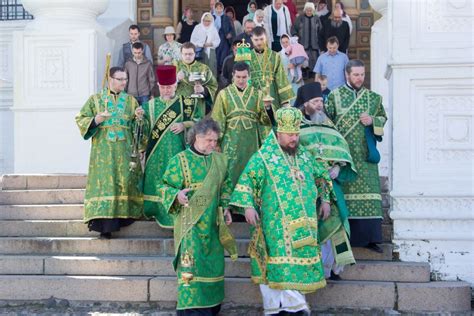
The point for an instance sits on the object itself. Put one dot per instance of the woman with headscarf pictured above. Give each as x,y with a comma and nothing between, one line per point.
206,39
259,18
225,30
278,22
285,61
251,8
230,12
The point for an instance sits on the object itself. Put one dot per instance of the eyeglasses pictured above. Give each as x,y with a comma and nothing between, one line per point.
120,79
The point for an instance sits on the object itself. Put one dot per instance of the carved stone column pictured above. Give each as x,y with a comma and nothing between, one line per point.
59,61
379,59
431,58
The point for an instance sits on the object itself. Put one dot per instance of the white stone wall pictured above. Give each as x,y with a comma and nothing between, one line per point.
6,93
432,94
59,64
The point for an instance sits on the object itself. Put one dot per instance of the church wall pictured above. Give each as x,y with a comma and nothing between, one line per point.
431,92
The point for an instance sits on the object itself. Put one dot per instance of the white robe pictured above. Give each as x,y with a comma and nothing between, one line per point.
275,301
202,35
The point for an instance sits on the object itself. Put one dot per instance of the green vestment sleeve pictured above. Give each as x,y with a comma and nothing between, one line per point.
285,91
247,192
219,113
170,185
379,119
85,117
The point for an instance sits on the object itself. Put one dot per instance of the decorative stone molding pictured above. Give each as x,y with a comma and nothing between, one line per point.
65,14
432,207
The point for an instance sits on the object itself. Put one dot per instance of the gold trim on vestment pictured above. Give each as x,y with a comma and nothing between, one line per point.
303,287
243,188
152,198
203,280
112,198
294,260
363,196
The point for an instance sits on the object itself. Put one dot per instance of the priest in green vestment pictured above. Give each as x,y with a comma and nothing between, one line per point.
195,79
267,72
191,188
359,116
240,110
112,119
278,191
170,116
327,146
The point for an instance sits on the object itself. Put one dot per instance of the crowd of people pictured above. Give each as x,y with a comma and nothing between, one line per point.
248,140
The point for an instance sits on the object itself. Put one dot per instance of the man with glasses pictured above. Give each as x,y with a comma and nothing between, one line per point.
113,198
206,87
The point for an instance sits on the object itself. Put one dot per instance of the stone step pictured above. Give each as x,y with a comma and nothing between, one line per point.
74,181
81,288
129,246
42,181
434,297
239,291
77,228
50,196
155,265
42,212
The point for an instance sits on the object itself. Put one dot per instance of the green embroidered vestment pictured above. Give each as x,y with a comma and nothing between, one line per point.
163,144
239,114
266,69
328,147
112,190
344,107
200,234
186,88
284,250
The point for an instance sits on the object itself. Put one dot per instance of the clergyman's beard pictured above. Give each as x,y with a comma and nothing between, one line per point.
336,23
290,150
318,117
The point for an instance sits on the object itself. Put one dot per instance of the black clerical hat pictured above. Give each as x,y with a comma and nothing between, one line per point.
307,92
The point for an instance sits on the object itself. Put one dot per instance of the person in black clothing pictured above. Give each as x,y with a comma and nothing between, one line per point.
185,27
338,28
226,76
249,25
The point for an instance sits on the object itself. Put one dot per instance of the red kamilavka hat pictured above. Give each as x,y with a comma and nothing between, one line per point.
166,75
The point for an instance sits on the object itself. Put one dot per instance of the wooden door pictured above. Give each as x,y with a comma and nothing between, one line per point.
153,16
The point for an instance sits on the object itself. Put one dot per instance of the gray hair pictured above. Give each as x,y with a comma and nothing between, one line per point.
203,127
353,63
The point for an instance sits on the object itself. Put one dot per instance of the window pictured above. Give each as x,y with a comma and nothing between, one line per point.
13,10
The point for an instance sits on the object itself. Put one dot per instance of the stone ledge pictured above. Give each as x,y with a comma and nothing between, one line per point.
434,297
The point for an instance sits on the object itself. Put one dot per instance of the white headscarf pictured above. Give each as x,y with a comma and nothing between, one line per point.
281,19
205,34
259,12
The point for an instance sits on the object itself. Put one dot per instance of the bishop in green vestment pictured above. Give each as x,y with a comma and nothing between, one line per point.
359,116
278,191
205,87
240,110
113,195
169,117
191,188
267,72
327,146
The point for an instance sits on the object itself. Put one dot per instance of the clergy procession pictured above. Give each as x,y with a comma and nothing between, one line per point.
298,163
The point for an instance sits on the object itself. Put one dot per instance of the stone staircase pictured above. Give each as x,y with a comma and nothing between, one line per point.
46,251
